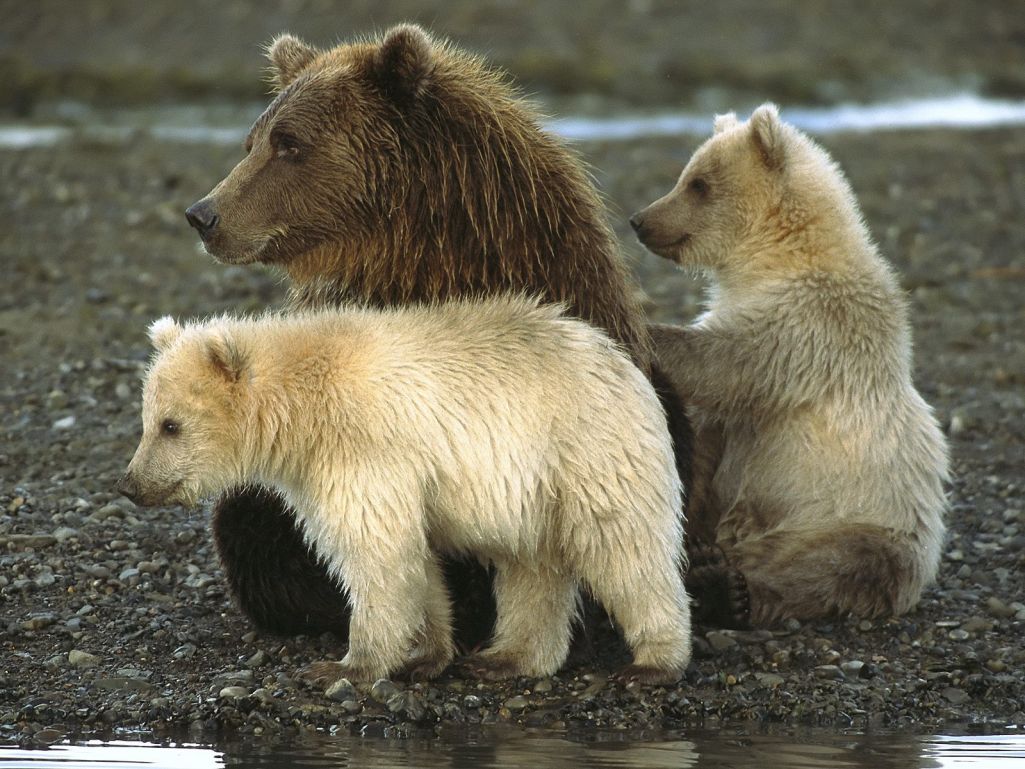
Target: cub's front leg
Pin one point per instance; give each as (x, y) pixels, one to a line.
(393, 580)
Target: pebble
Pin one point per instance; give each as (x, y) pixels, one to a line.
(543, 686)
(233, 693)
(955, 696)
(65, 423)
(519, 702)
(769, 680)
(341, 690)
(259, 659)
(829, 672)
(39, 620)
(471, 701)
(852, 668)
(383, 690)
(720, 641)
(959, 635)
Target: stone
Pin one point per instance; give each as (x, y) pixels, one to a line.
(233, 693)
(341, 690)
(519, 702)
(955, 696)
(998, 608)
(719, 641)
(383, 690)
(81, 659)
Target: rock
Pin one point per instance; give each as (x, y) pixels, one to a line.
(958, 635)
(998, 608)
(64, 533)
(65, 423)
(955, 696)
(719, 641)
(123, 683)
(769, 680)
(23, 541)
(977, 625)
(471, 702)
(259, 659)
(341, 690)
(519, 702)
(233, 693)
(383, 690)
(184, 652)
(829, 672)
(852, 668)
(543, 686)
(81, 659)
(39, 620)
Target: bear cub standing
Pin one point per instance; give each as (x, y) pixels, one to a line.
(826, 467)
(498, 428)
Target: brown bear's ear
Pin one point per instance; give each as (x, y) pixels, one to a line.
(163, 332)
(402, 65)
(724, 122)
(767, 134)
(288, 57)
(226, 357)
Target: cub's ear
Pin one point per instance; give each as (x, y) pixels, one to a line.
(403, 63)
(226, 356)
(288, 57)
(724, 122)
(767, 134)
(163, 332)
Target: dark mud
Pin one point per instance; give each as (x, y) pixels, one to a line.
(113, 617)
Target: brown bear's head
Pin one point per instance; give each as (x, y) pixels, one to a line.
(323, 160)
(193, 401)
(729, 185)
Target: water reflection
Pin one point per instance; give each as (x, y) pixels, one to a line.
(800, 750)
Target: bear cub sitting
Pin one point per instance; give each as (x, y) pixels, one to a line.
(822, 467)
(498, 428)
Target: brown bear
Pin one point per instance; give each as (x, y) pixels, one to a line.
(825, 466)
(393, 171)
(494, 427)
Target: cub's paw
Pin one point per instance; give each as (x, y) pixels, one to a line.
(492, 667)
(648, 675)
(325, 673)
(426, 667)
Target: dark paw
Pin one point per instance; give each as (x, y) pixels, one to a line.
(648, 675)
(720, 593)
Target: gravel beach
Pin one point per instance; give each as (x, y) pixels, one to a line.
(115, 619)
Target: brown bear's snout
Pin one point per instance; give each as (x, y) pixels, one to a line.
(202, 217)
(637, 221)
(129, 487)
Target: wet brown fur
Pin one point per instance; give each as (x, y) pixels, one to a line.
(424, 178)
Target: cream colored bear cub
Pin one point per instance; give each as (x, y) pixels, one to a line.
(498, 428)
(827, 467)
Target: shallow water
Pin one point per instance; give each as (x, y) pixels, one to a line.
(225, 124)
(800, 750)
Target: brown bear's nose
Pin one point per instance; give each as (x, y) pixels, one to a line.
(128, 487)
(637, 221)
(202, 217)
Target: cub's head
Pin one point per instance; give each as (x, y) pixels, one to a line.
(323, 160)
(192, 409)
(730, 183)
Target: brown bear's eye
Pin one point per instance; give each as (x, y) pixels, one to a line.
(287, 147)
(170, 427)
(699, 186)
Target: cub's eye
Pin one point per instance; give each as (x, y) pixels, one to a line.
(287, 147)
(170, 427)
(699, 186)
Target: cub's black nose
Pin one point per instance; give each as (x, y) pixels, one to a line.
(637, 221)
(127, 487)
(202, 217)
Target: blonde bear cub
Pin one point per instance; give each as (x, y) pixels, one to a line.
(498, 428)
(825, 467)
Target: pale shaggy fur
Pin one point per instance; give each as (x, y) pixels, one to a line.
(498, 428)
(829, 467)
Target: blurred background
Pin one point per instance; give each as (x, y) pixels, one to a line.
(590, 55)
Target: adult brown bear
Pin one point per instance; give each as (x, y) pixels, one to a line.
(393, 171)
